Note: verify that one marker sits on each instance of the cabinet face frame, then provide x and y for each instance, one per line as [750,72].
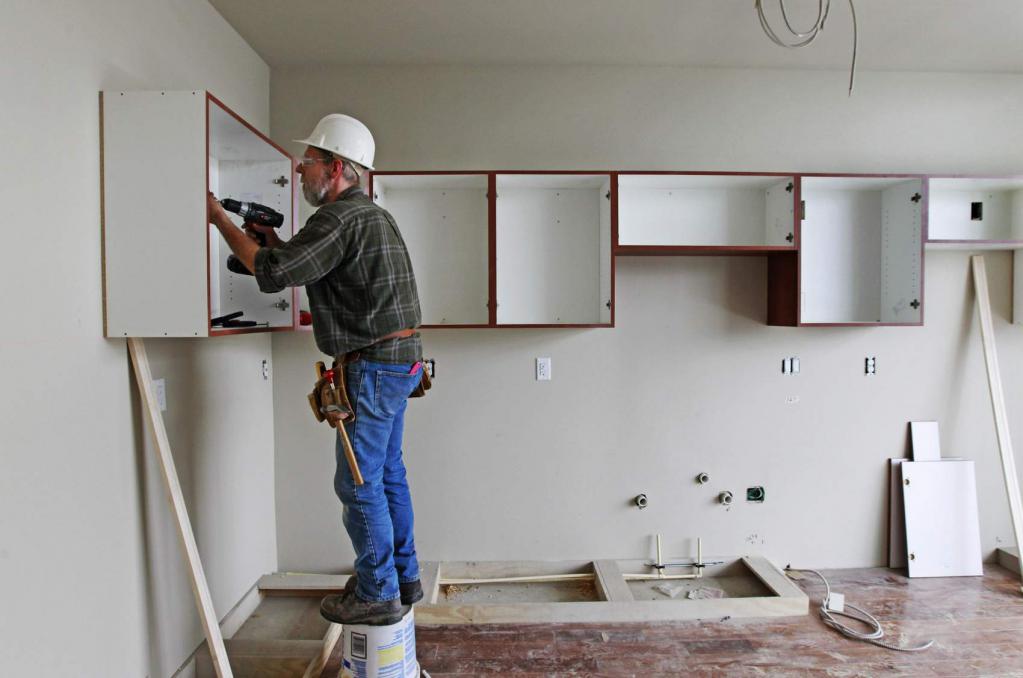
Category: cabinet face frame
[923,200]
[492,176]
[706,250]
[1006,183]
[131,132]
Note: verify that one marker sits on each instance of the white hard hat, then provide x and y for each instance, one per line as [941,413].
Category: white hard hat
[345,136]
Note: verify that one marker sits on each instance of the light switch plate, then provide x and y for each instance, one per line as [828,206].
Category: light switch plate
[543,369]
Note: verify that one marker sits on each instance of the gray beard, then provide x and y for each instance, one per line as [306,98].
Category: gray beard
[314,195]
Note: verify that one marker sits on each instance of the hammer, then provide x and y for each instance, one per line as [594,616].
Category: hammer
[353,464]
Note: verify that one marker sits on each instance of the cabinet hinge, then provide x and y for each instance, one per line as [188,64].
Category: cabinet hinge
[790,237]
[802,210]
[788,189]
[916,197]
[915,304]
[608,195]
[282,305]
[281,181]
[608,304]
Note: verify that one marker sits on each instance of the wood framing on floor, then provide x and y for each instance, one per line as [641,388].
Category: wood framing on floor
[976,623]
[524,592]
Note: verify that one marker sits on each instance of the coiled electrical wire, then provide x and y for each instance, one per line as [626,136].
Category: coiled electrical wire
[876,636]
[804,38]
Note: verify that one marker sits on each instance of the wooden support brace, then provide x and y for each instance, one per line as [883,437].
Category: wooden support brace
[994,380]
[315,668]
[203,600]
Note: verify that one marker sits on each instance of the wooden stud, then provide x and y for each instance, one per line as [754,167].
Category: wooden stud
[331,638]
[994,380]
[203,600]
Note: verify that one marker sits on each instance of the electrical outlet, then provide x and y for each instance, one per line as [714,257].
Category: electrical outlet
[160,389]
[543,369]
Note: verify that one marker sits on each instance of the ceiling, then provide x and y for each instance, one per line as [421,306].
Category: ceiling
[903,35]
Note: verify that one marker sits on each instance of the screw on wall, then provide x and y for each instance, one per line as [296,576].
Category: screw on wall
[703,478]
[755,493]
[725,498]
[640,501]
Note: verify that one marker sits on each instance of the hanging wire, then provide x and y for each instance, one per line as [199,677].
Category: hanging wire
[804,38]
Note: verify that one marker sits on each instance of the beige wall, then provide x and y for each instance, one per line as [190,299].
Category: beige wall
[504,467]
[93,581]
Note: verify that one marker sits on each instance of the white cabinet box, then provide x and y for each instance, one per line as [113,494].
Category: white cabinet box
[444,219]
[861,250]
[687,213]
[553,249]
[970,212]
[164,266]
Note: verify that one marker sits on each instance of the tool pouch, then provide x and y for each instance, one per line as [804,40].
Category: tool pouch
[427,381]
[330,396]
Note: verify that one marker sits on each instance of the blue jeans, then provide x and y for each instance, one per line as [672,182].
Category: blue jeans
[378,513]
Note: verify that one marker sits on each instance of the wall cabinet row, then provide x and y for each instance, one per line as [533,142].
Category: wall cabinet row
[519,248]
[164,267]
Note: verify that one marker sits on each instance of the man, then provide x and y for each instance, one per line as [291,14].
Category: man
[365,307]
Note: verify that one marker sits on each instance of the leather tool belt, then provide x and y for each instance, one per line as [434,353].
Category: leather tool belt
[329,400]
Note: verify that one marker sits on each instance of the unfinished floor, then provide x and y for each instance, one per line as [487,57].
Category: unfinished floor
[976,623]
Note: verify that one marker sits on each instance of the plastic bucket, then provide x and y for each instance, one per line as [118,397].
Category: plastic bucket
[380,651]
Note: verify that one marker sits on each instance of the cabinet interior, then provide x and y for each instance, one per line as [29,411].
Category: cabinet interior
[860,250]
[972,210]
[553,242]
[705,210]
[444,220]
[243,166]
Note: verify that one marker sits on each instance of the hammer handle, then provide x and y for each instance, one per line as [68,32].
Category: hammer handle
[353,464]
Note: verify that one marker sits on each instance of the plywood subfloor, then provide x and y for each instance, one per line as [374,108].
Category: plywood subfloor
[976,623]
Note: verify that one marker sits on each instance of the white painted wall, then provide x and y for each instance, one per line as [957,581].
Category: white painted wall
[504,467]
[92,582]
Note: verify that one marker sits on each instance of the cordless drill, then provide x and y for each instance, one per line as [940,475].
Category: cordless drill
[252,213]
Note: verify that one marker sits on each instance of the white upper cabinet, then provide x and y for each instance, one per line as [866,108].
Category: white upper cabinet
[861,256]
[553,249]
[444,219]
[165,272]
[705,211]
[975,212]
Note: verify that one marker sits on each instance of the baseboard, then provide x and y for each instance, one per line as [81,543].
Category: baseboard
[229,625]
[1008,557]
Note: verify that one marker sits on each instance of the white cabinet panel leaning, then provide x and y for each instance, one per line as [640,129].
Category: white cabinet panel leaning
[165,272]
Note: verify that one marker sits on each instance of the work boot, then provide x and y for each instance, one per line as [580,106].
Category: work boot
[411,592]
[342,608]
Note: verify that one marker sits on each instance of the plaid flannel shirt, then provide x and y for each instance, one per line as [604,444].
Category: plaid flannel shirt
[358,274]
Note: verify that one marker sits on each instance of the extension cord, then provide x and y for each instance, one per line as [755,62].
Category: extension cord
[834,604]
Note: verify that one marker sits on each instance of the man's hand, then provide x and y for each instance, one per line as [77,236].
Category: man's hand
[269,234]
[241,244]
[215,211]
